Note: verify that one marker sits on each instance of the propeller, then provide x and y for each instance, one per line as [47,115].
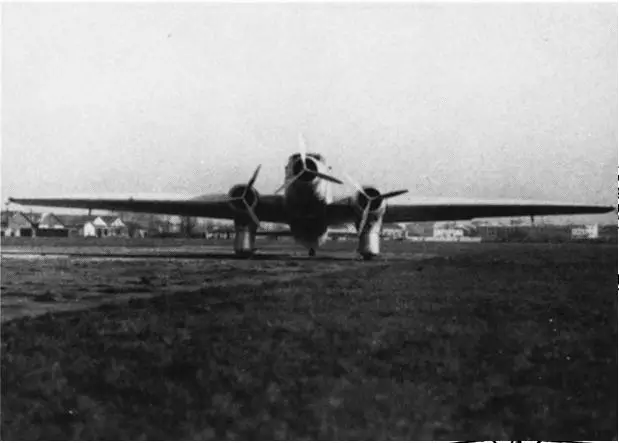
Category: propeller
[302,147]
[253,178]
[373,200]
[308,169]
[288,182]
[242,202]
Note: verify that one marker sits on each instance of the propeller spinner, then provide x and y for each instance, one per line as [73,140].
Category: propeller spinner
[371,200]
[245,197]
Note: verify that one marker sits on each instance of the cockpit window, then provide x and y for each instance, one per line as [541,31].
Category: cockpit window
[314,155]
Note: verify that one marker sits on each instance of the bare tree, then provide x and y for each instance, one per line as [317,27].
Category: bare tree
[152,224]
[188,225]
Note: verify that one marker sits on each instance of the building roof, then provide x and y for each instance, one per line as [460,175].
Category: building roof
[75,221]
[109,219]
[50,219]
[20,218]
[81,220]
[314,155]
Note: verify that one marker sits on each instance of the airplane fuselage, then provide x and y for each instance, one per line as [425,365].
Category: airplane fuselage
[306,200]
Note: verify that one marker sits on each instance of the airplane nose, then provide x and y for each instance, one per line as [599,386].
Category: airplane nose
[309,172]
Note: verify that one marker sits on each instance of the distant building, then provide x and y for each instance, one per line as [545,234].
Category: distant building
[393,231]
[116,227]
[175,224]
[221,231]
[75,223]
[50,221]
[585,232]
[421,229]
[339,232]
[448,232]
[20,224]
[388,231]
[95,228]
[49,225]
[105,226]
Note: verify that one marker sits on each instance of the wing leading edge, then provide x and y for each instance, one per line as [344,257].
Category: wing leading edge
[269,208]
[467,211]
[399,213]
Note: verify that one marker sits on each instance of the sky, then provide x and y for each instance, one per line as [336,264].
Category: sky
[489,101]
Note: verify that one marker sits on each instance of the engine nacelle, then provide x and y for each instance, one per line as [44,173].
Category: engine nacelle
[369,236]
[373,197]
[376,203]
[242,197]
[369,241]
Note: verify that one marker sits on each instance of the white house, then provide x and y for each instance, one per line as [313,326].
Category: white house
[105,226]
[342,231]
[448,232]
[50,221]
[394,231]
[587,231]
[117,228]
[95,228]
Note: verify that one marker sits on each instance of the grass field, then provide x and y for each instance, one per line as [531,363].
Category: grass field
[461,342]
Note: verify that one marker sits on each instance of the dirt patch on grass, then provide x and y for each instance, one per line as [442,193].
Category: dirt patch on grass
[35,286]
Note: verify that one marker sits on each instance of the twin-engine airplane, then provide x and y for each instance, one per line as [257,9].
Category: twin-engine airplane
[308,207]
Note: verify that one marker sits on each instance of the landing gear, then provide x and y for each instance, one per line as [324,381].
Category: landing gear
[369,243]
[312,252]
[244,240]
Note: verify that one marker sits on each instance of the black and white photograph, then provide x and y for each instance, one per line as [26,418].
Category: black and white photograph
[309,221]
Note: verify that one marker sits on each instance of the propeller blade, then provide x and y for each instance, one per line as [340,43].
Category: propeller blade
[328,178]
[282,187]
[253,178]
[394,193]
[289,182]
[364,219]
[253,216]
[302,148]
[355,184]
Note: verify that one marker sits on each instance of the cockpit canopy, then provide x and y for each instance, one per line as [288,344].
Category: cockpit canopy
[313,155]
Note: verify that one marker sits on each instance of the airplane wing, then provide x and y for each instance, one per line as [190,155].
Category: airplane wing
[428,211]
[468,211]
[270,208]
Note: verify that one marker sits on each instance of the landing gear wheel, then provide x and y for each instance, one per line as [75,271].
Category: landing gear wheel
[367,257]
[312,252]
